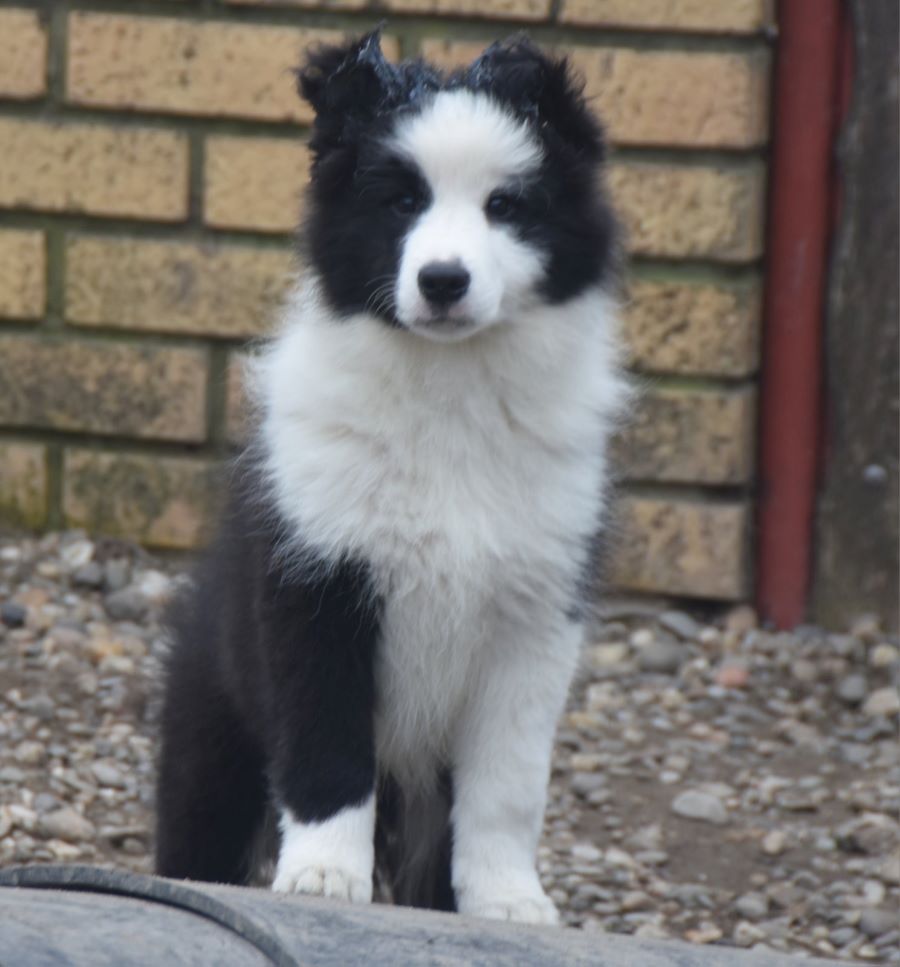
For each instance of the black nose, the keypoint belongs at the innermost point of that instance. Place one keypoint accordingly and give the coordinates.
(443, 283)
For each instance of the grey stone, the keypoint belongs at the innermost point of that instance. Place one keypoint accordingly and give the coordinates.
(841, 936)
(129, 604)
(30, 753)
(701, 806)
(884, 701)
(661, 657)
(108, 775)
(681, 624)
(89, 575)
(874, 922)
(13, 614)
(67, 824)
(852, 689)
(44, 802)
(116, 574)
(752, 906)
(42, 706)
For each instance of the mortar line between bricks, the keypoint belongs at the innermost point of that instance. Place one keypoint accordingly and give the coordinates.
(129, 336)
(476, 28)
(54, 314)
(57, 49)
(110, 336)
(703, 495)
(196, 179)
(216, 399)
(706, 383)
(650, 268)
(107, 443)
(732, 383)
(79, 223)
(55, 515)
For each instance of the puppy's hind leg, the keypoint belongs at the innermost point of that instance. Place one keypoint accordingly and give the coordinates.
(211, 794)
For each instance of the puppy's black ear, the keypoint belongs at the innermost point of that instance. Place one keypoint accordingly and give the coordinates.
(345, 85)
(542, 88)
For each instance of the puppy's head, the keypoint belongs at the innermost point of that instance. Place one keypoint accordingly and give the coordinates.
(446, 204)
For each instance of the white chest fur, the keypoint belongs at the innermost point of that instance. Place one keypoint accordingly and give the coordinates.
(469, 476)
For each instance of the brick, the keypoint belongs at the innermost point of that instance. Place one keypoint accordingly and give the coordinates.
(676, 211)
(451, 53)
(254, 183)
(158, 501)
(211, 289)
(23, 55)
(679, 99)
(682, 547)
(23, 484)
(237, 402)
(114, 172)
(660, 97)
(690, 436)
(189, 67)
(23, 271)
(496, 10)
(705, 16)
(693, 328)
(94, 386)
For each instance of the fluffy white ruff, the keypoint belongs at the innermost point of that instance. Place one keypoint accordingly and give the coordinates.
(470, 477)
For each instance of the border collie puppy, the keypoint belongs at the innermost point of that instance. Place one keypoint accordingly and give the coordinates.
(381, 640)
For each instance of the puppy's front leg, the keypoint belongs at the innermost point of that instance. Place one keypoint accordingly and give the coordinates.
(501, 771)
(320, 640)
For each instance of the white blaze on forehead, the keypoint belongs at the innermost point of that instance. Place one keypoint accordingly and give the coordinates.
(466, 140)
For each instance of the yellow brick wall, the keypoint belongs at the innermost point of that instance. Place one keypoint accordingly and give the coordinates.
(152, 160)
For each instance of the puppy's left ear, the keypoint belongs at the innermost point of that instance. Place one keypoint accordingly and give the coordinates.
(543, 88)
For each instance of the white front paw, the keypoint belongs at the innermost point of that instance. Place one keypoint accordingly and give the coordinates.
(329, 881)
(332, 858)
(501, 897)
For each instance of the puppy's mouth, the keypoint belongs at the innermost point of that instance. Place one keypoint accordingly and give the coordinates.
(444, 328)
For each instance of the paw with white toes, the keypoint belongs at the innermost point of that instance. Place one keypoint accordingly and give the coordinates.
(332, 858)
(334, 882)
(512, 899)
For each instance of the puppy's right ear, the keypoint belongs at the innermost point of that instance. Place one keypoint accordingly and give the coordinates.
(346, 85)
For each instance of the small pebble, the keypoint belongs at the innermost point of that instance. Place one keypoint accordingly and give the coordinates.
(852, 689)
(774, 843)
(66, 824)
(874, 922)
(752, 906)
(701, 806)
(12, 614)
(661, 657)
(884, 701)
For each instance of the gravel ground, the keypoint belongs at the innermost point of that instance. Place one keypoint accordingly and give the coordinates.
(713, 781)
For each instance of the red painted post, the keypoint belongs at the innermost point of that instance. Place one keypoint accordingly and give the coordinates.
(800, 199)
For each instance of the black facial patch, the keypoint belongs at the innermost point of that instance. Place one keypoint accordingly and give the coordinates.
(359, 217)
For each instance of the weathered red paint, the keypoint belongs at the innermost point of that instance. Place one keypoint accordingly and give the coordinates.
(806, 108)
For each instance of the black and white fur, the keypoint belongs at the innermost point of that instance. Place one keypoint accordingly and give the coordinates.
(381, 640)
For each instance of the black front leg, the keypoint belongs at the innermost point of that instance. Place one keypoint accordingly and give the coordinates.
(320, 629)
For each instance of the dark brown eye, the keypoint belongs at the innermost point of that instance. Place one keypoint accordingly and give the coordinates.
(500, 206)
(406, 203)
